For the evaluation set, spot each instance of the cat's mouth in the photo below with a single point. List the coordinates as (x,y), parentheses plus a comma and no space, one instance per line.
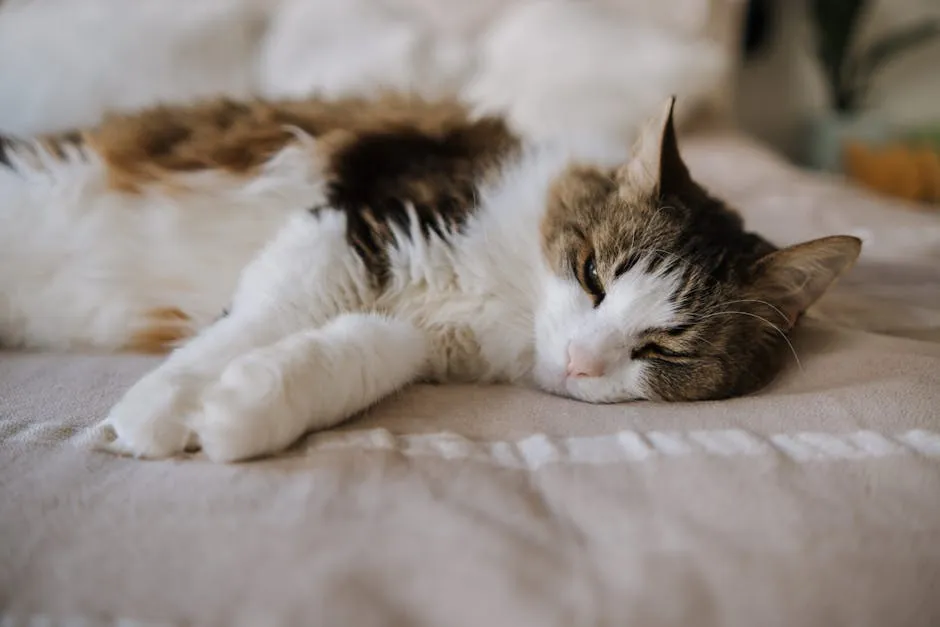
(594,390)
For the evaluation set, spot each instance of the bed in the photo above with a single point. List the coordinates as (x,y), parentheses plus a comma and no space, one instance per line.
(814,502)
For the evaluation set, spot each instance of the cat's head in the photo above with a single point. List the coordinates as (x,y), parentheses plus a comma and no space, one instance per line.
(657,292)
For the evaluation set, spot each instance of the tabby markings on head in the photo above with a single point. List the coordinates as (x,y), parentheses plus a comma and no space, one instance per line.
(678,301)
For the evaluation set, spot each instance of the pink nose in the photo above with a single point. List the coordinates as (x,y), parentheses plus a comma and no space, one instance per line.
(581,363)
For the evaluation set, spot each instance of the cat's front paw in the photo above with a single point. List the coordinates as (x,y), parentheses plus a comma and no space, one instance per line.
(248,412)
(149,421)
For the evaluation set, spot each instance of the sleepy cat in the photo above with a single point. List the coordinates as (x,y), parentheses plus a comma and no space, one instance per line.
(359,246)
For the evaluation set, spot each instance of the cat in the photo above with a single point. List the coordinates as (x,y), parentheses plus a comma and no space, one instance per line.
(361,245)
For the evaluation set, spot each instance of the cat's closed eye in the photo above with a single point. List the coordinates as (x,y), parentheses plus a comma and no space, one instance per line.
(654,350)
(678,330)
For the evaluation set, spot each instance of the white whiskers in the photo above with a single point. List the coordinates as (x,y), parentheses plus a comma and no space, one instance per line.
(768,322)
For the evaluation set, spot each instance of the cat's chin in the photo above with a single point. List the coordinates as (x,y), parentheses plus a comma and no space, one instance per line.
(556,382)
(551,380)
(578,392)
(572,393)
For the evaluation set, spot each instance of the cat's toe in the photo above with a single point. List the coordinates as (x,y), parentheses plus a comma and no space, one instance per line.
(150,421)
(222,435)
(247,414)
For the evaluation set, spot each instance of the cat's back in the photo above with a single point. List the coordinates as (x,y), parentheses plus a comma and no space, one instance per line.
(168,204)
(384,161)
(383,137)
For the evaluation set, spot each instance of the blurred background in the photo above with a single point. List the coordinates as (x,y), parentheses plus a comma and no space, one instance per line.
(863,77)
(847,87)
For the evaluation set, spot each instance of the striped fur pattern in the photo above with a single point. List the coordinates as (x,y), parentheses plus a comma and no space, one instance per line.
(306,259)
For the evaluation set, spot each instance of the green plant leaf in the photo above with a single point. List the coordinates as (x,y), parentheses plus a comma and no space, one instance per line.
(859,72)
(895,43)
(835,23)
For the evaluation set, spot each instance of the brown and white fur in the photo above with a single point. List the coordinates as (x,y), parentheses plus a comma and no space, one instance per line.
(361,245)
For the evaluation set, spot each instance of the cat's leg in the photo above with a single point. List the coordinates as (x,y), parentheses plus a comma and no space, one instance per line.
(266,399)
(151,419)
(306,276)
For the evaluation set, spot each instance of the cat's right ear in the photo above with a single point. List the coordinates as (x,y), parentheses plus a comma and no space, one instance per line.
(656,168)
(792,279)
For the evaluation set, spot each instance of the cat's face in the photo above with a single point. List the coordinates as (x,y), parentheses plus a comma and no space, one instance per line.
(657,292)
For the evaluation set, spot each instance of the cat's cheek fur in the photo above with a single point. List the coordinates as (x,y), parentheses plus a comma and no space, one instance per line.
(637,301)
(567,316)
(564,308)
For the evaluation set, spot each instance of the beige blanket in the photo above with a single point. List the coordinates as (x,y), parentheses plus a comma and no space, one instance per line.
(816,502)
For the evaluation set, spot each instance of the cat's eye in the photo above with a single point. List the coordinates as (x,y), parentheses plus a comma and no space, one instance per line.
(653,350)
(591,281)
(584,268)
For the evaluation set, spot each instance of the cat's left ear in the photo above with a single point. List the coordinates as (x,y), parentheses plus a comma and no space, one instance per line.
(656,168)
(792,279)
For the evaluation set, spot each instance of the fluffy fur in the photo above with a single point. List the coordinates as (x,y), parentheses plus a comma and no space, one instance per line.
(361,245)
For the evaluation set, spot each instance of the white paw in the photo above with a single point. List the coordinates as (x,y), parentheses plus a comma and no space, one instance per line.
(248,412)
(149,421)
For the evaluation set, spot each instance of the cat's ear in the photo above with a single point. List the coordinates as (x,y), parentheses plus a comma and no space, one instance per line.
(656,167)
(794,278)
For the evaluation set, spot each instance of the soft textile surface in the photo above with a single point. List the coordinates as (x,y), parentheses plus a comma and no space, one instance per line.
(816,502)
